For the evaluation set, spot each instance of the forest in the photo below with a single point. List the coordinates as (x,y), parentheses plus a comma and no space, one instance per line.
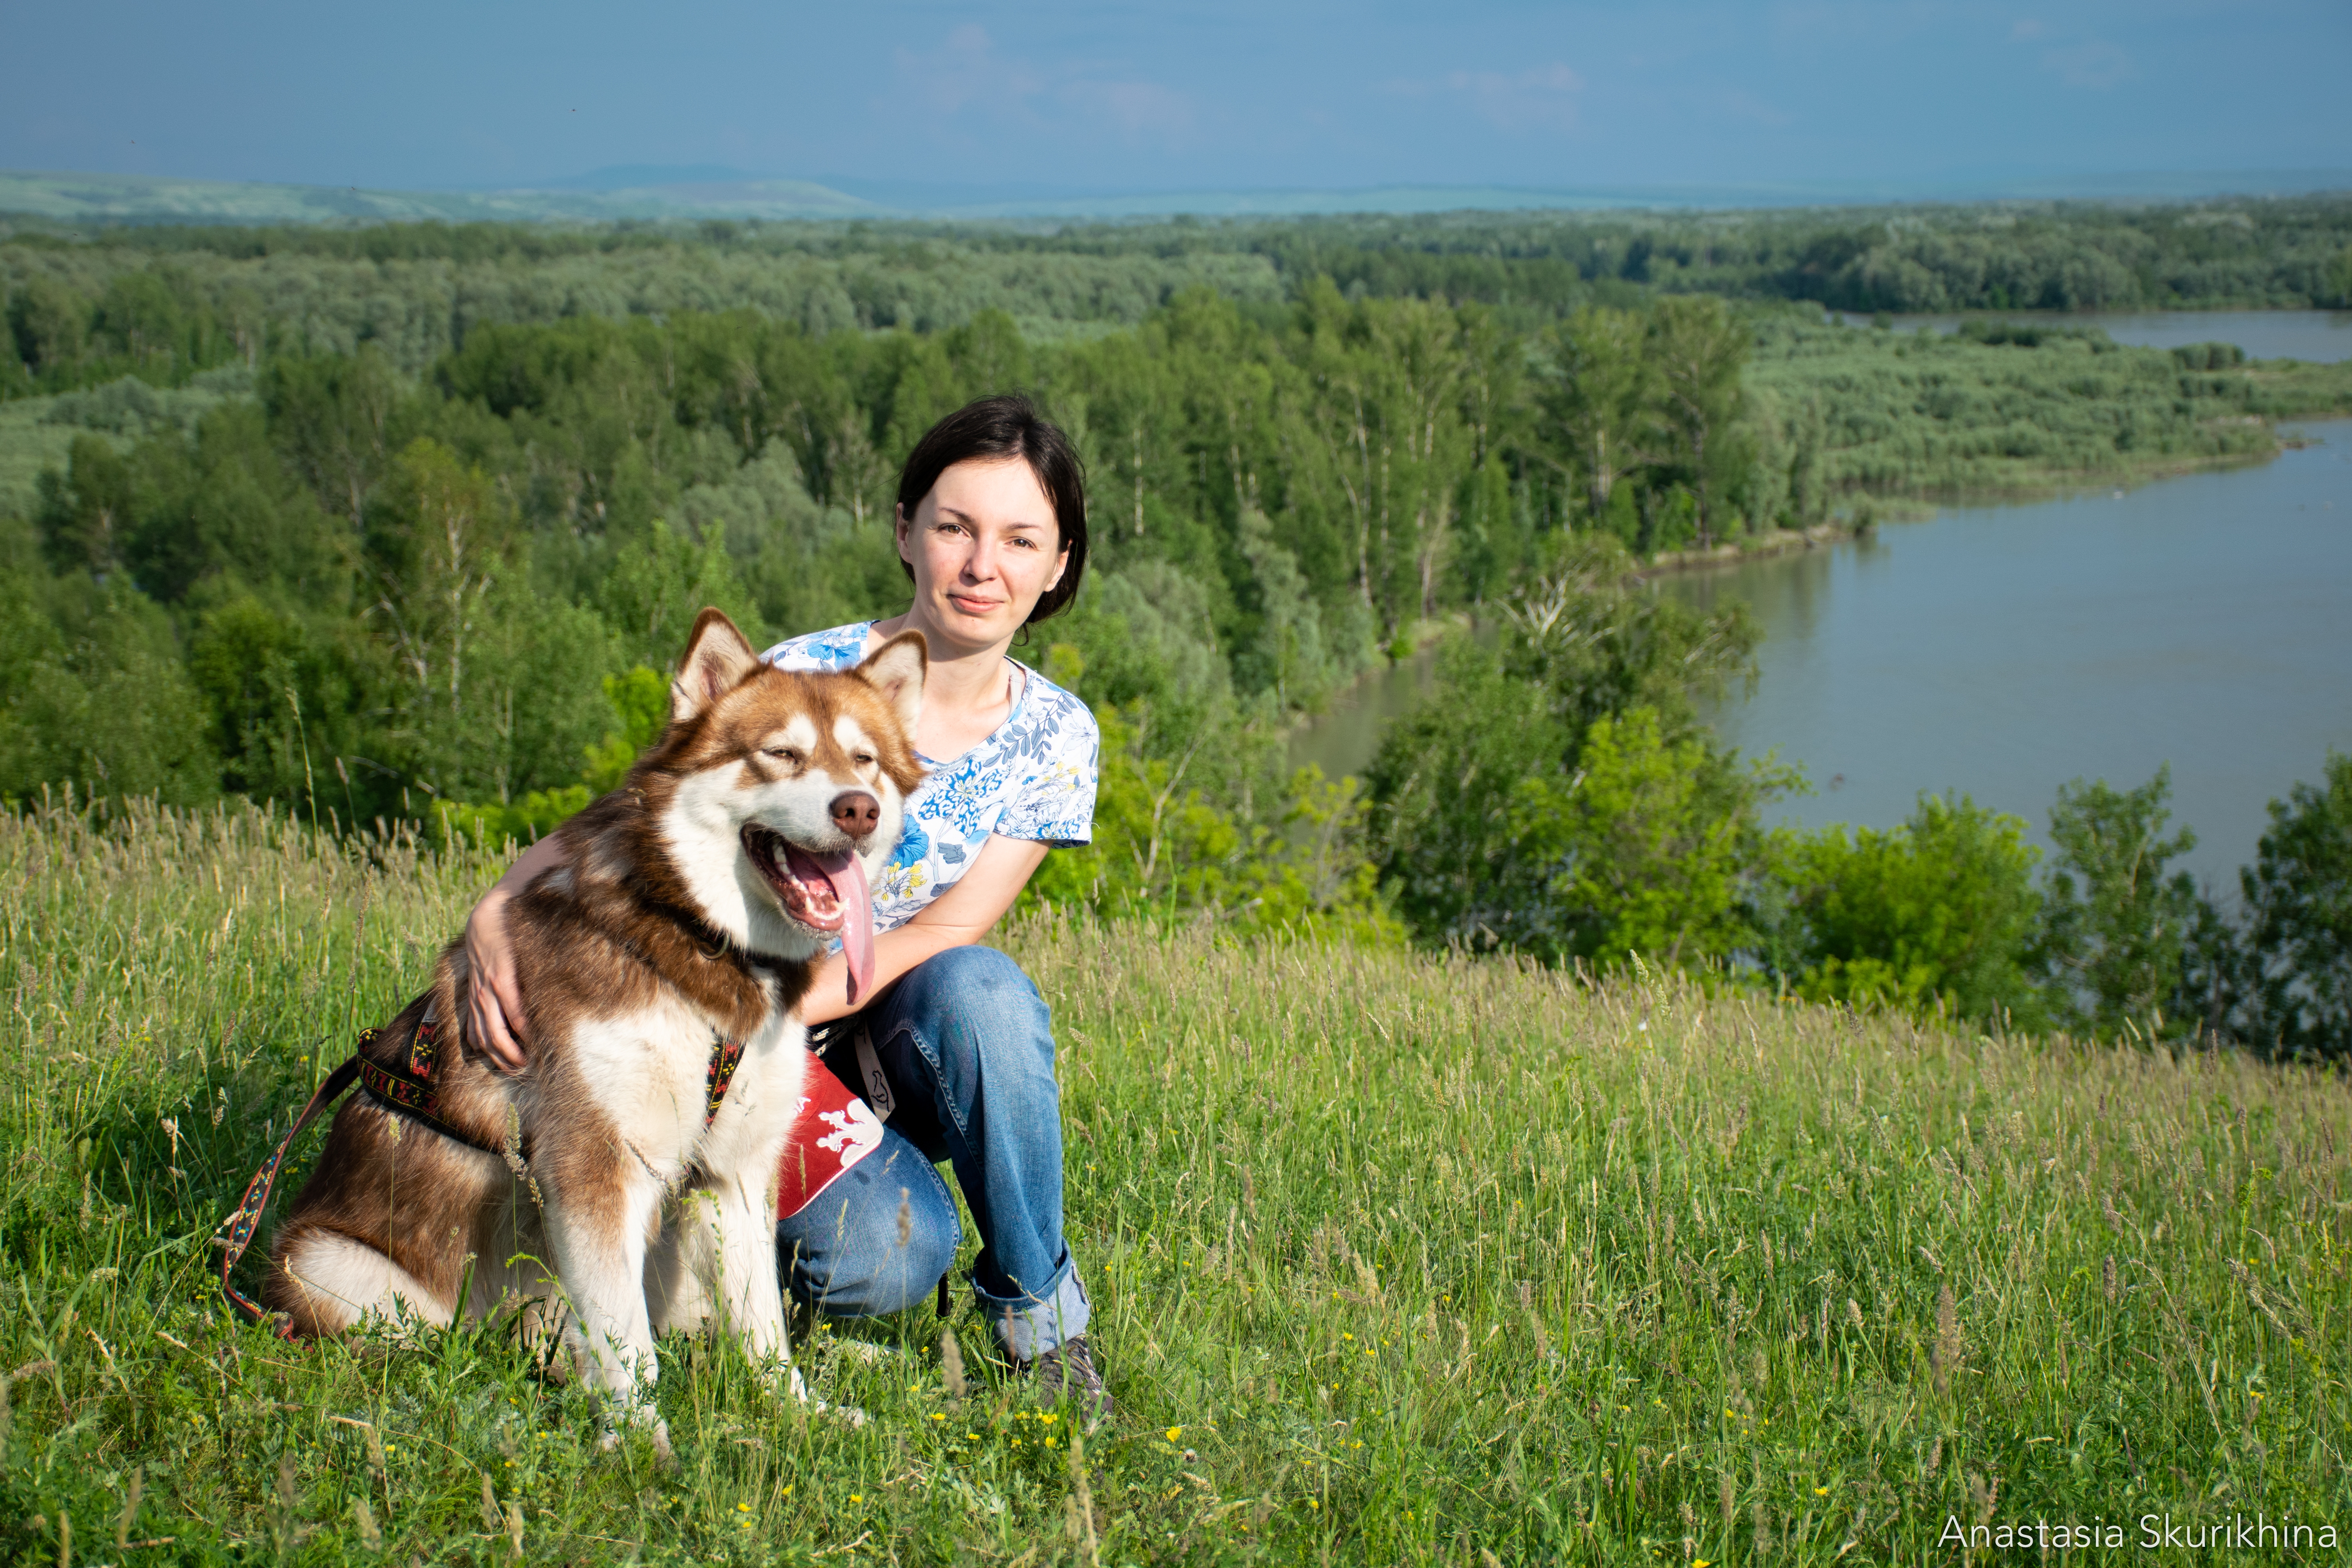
(397,529)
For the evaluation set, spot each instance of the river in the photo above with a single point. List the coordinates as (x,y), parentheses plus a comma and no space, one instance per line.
(2205,622)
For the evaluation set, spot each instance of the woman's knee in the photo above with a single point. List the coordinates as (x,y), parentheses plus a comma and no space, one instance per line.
(872,1252)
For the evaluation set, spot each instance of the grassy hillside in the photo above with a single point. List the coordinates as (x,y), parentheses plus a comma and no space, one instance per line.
(1397,1259)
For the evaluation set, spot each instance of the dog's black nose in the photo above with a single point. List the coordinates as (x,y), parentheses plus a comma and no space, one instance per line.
(856,813)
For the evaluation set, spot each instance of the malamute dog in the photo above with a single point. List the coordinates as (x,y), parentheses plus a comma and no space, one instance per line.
(626,1179)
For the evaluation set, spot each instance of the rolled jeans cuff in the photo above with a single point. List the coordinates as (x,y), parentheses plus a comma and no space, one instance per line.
(1026,1327)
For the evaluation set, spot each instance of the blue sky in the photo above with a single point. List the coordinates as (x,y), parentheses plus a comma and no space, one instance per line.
(1178,95)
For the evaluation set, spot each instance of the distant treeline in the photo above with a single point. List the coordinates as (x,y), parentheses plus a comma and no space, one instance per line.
(413,538)
(86,303)
(1276,499)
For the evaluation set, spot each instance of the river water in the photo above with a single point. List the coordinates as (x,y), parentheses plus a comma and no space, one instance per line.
(2205,622)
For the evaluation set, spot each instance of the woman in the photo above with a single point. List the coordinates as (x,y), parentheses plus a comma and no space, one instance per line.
(991,530)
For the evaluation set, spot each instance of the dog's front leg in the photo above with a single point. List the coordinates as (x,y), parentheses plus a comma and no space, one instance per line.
(750,1292)
(596,1232)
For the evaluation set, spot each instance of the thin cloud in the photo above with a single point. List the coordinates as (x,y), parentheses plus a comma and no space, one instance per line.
(965,71)
(969,79)
(1541,99)
(2093,63)
(1139,110)
(1745,105)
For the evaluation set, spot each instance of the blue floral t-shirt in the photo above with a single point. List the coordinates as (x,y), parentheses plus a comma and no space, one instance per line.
(1033,777)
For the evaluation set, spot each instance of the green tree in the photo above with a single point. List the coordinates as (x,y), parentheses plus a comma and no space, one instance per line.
(1584,642)
(332,415)
(654,588)
(1597,387)
(2282,982)
(85,514)
(291,701)
(2336,287)
(1591,633)
(1649,847)
(1442,788)
(2113,921)
(1697,348)
(49,322)
(1937,913)
(94,695)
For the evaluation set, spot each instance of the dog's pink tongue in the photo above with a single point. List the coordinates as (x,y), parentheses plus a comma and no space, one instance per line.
(856,925)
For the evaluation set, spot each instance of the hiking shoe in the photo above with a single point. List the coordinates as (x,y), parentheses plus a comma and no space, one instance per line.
(1068,1372)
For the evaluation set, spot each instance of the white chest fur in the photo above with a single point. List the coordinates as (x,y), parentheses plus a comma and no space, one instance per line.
(649,1072)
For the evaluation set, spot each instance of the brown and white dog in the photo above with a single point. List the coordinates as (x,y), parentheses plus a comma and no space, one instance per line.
(697,899)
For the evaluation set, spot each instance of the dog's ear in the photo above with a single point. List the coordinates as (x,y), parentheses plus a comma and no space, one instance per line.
(716,660)
(897,670)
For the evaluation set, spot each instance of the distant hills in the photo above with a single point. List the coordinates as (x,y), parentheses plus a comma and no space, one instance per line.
(138,198)
(710,191)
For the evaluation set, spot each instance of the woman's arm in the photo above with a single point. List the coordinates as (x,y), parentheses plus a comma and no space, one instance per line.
(957,918)
(495,1020)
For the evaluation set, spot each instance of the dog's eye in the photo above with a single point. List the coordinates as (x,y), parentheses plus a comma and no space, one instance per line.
(864,759)
(784,754)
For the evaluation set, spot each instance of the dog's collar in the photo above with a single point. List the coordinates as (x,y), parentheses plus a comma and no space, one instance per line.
(715,946)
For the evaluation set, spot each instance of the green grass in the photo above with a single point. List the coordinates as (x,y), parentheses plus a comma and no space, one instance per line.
(1397,1259)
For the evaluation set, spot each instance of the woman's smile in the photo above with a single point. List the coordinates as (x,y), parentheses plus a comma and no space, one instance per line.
(982,546)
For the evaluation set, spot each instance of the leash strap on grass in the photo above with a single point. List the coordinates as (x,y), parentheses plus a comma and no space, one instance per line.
(247,1218)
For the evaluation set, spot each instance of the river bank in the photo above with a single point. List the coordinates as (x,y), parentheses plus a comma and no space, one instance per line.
(1871,510)
(1753,547)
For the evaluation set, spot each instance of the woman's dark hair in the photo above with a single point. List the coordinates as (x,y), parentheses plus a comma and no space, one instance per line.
(992,429)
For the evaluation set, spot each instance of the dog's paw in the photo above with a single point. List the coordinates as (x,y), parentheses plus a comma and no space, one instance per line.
(654,1428)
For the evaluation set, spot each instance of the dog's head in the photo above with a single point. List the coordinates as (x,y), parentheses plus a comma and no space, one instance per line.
(783,793)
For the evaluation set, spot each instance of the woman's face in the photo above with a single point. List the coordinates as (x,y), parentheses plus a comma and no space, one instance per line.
(984,546)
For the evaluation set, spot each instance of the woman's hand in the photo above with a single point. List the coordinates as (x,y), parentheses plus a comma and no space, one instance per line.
(957,918)
(495,1019)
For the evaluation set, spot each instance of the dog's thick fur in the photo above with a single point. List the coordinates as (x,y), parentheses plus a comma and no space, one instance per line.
(667,929)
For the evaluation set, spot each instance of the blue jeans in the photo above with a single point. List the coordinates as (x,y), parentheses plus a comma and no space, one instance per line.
(967,1044)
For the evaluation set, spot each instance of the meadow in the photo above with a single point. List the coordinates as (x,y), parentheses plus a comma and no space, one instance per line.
(1397,1258)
